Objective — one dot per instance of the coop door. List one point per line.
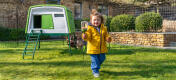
(37, 21)
(47, 21)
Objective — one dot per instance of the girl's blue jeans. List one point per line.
(97, 60)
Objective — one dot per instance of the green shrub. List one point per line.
(4, 33)
(7, 34)
(17, 34)
(86, 19)
(148, 22)
(108, 21)
(78, 23)
(122, 22)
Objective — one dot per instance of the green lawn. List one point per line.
(53, 62)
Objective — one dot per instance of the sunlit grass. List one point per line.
(54, 62)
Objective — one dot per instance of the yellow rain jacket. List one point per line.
(96, 41)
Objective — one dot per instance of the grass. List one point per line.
(53, 62)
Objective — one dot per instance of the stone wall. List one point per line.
(144, 39)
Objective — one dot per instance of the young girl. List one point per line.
(96, 37)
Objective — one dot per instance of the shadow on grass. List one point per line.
(7, 51)
(147, 74)
(132, 50)
(114, 50)
(153, 69)
(38, 74)
(50, 49)
(145, 70)
(121, 52)
(73, 51)
(56, 63)
(154, 50)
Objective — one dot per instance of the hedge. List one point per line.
(148, 22)
(122, 22)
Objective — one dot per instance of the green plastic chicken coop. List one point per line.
(47, 19)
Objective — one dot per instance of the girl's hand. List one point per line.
(83, 29)
(84, 36)
(109, 39)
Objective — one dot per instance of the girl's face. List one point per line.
(96, 21)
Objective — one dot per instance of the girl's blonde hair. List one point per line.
(96, 13)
